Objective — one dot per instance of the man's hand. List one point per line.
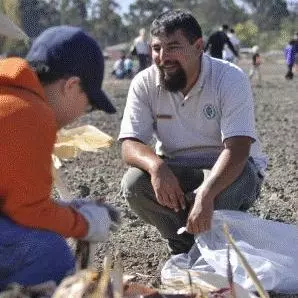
(200, 216)
(226, 170)
(167, 189)
(165, 184)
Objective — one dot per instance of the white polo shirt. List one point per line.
(220, 105)
(142, 46)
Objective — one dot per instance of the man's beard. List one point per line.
(173, 82)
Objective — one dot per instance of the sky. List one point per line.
(125, 4)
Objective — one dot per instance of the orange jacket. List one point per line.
(28, 133)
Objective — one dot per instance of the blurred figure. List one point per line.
(256, 64)
(296, 51)
(123, 67)
(227, 53)
(217, 41)
(289, 53)
(142, 50)
(119, 68)
(128, 66)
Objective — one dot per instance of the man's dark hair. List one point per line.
(232, 30)
(173, 20)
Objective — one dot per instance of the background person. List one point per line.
(200, 110)
(142, 50)
(119, 67)
(256, 65)
(289, 53)
(296, 51)
(128, 66)
(60, 80)
(217, 41)
(227, 53)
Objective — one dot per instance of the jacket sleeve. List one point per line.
(27, 142)
(230, 45)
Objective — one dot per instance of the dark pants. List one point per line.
(143, 61)
(31, 256)
(289, 75)
(137, 189)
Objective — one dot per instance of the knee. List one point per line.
(57, 258)
(46, 257)
(58, 247)
(134, 181)
(136, 186)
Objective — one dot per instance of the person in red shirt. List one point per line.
(58, 81)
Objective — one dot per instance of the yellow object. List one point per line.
(84, 138)
(70, 143)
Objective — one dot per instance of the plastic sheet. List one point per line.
(271, 249)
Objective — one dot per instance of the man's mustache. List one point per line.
(166, 64)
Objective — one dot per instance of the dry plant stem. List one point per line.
(190, 283)
(92, 254)
(82, 255)
(104, 279)
(260, 289)
(230, 273)
(118, 277)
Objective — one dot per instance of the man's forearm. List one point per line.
(140, 155)
(225, 171)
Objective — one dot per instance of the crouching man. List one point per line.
(200, 111)
(58, 82)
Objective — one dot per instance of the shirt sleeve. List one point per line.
(138, 118)
(230, 45)
(25, 171)
(237, 107)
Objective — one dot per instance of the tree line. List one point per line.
(269, 23)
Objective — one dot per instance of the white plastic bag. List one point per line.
(271, 248)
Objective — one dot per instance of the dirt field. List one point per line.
(142, 249)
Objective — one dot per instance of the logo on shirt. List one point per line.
(209, 111)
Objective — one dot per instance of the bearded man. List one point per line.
(200, 112)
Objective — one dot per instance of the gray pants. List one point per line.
(137, 189)
(256, 70)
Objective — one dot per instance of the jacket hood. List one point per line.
(16, 72)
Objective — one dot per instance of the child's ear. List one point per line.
(71, 84)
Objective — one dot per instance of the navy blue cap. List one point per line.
(70, 50)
